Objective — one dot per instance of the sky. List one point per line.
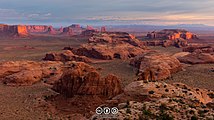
(107, 12)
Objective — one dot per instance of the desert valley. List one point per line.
(66, 73)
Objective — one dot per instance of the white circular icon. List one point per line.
(107, 110)
(99, 110)
(114, 110)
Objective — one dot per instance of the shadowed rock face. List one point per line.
(13, 30)
(155, 66)
(171, 34)
(67, 31)
(66, 55)
(83, 79)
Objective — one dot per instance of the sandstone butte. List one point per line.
(37, 28)
(171, 34)
(110, 45)
(13, 30)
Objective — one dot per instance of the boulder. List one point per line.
(83, 79)
(155, 66)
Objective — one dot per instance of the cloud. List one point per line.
(152, 11)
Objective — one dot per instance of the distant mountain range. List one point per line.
(197, 28)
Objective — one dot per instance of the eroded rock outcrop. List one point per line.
(37, 28)
(199, 48)
(108, 52)
(82, 79)
(110, 45)
(67, 31)
(166, 43)
(116, 38)
(155, 66)
(28, 72)
(171, 34)
(64, 56)
(197, 58)
(13, 30)
(197, 54)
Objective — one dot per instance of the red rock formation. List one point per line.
(108, 52)
(171, 34)
(82, 79)
(66, 55)
(75, 26)
(197, 54)
(197, 58)
(155, 66)
(89, 33)
(103, 29)
(89, 27)
(116, 38)
(166, 43)
(13, 30)
(51, 30)
(199, 47)
(37, 28)
(28, 72)
(67, 31)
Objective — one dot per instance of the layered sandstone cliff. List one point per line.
(13, 30)
(171, 34)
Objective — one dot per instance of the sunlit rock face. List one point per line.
(171, 34)
(154, 66)
(13, 30)
(37, 28)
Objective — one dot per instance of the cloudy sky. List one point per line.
(95, 12)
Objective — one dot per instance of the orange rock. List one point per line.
(171, 34)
